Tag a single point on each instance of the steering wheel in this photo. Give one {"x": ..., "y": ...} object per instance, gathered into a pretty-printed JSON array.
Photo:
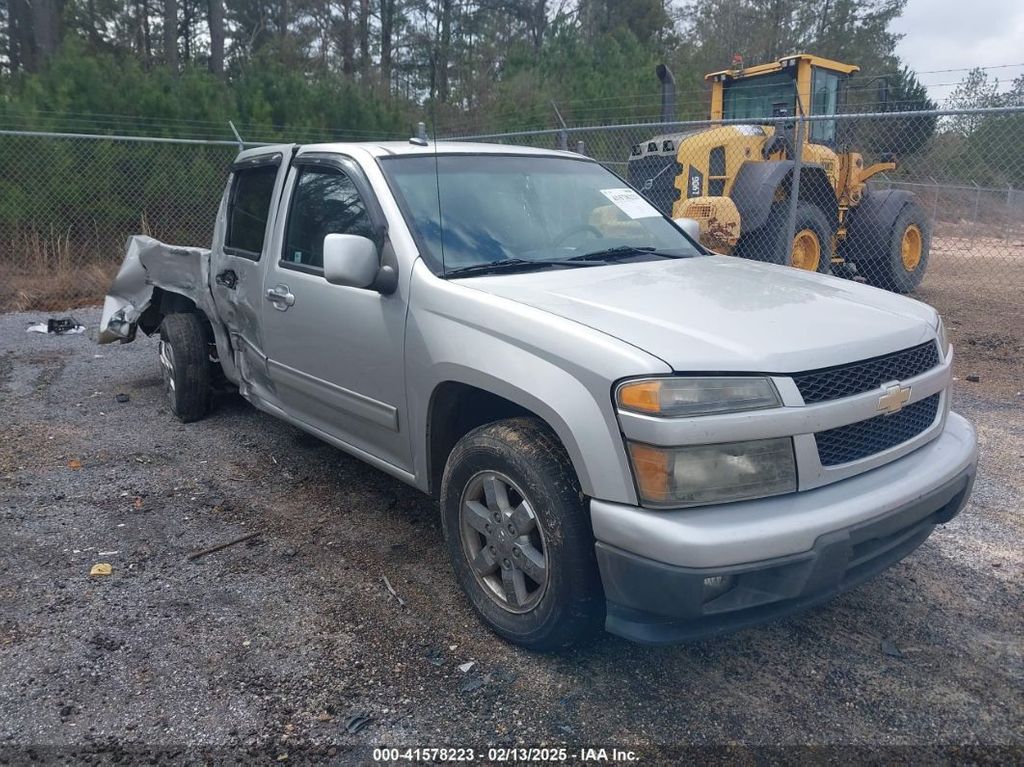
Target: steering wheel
[{"x": 578, "y": 229}]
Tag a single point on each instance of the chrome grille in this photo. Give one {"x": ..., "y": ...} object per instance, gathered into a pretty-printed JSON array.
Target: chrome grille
[
  {"x": 858, "y": 377},
  {"x": 864, "y": 438}
]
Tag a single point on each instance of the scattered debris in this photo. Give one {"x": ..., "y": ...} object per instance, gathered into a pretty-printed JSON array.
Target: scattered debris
[
  {"x": 356, "y": 722},
  {"x": 435, "y": 658},
  {"x": 465, "y": 668},
  {"x": 196, "y": 554},
  {"x": 74, "y": 464},
  {"x": 974, "y": 378},
  {"x": 501, "y": 674},
  {"x": 394, "y": 593},
  {"x": 58, "y": 327},
  {"x": 890, "y": 649},
  {"x": 101, "y": 568},
  {"x": 471, "y": 683},
  {"x": 122, "y": 398},
  {"x": 323, "y": 716}
]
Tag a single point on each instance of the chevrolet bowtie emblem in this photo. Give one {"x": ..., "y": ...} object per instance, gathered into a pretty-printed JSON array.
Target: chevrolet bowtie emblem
[{"x": 894, "y": 399}]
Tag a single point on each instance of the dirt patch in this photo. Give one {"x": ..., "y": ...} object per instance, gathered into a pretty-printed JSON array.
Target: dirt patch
[{"x": 976, "y": 284}]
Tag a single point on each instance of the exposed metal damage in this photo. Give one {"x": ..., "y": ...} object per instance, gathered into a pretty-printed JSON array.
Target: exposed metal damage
[{"x": 150, "y": 264}]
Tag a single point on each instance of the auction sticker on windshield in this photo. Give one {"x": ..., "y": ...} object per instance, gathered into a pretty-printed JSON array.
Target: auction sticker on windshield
[{"x": 630, "y": 203}]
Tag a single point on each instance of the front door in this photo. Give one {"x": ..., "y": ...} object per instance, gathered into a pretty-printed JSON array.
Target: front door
[{"x": 335, "y": 354}]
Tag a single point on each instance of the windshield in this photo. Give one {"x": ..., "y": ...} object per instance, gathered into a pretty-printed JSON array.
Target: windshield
[
  {"x": 510, "y": 209},
  {"x": 760, "y": 97}
]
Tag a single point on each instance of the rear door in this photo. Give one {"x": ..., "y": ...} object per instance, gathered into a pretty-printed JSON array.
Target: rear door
[
  {"x": 335, "y": 353},
  {"x": 244, "y": 224}
]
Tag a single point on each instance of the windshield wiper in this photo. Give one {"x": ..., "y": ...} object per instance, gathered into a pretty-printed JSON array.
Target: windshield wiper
[
  {"x": 624, "y": 251},
  {"x": 511, "y": 265}
]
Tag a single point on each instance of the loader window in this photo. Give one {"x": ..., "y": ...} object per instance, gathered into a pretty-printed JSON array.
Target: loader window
[
  {"x": 824, "y": 101},
  {"x": 759, "y": 98},
  {"x": 248, "y": 211}
]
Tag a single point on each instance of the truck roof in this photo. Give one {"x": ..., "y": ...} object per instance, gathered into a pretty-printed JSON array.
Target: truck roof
[{"x": 408, "y": 148}]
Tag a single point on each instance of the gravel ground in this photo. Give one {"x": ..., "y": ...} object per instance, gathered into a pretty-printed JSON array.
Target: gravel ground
[{"x": 276, "y": 644}]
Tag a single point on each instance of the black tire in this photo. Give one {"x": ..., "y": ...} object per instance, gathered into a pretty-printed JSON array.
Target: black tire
[
  {"x": 888, "y": 270},
  {"x": 185, "y": 365},
  {"x": 569, "y": 608},
  {"x": 772, "y": 244}
]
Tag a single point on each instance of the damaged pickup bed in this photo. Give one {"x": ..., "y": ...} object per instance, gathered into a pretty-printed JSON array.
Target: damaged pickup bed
[{"x": 621, "y": 429}]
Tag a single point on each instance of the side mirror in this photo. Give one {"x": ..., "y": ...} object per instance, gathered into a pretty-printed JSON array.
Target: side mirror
[
  {"x": 689, "y": 225},
  {"x": 350, "y": 260}
]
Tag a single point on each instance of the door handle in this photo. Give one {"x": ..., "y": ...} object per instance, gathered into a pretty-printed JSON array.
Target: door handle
[{"x": 280, "y": 297}]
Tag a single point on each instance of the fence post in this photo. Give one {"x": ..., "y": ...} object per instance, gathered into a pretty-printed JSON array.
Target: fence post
[
  {"x": 563, "y": 134},
  {"x": 794, "y": 187}
]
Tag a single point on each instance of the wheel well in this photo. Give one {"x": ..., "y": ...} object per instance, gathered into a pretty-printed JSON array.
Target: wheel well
[
  {"x": 455, "y": 410},
  {"x": 162, "y": 303},
  {"x": 816, "y": 190}
]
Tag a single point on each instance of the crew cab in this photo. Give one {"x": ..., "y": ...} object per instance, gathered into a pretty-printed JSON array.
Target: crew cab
[{"x": 621, "y": 428}]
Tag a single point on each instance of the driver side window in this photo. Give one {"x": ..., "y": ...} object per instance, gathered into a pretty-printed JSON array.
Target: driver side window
[{"x": 325, "y": 201}]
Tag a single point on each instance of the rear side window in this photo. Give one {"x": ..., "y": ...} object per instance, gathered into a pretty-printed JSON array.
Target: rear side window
[
  {"x": 250, "y": 208},
  {"x": 325, "y": 202}
]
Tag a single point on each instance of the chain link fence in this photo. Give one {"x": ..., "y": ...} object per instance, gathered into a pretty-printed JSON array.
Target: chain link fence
[
  {"x": 927, "y": 203},
  {"x": 68, "y": 203}
]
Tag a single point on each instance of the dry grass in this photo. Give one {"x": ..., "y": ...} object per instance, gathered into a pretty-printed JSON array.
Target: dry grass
[
  {"x": 49, "y": 271},
  {"x": 55, "y": 290}
]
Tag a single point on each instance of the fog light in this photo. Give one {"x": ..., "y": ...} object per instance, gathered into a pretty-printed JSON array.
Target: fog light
[{"x": 716, "y": 585}]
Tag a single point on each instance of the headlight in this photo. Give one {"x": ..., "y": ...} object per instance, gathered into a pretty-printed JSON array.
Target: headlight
[
  {"x": 940, "y": 329},
  {"x": 672, "y": 396},
  {"x": 687, "y": 476}
]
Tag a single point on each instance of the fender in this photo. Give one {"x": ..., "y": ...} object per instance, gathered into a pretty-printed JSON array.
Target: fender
[
  {"x": 153, "y": 269},
  {"x": 871, "y": 222},
  {"x": 528, "y": 357},
  {"x": 756, "y": 183}
]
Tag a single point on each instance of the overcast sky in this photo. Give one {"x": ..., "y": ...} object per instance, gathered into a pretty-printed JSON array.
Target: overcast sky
[{"x": 960, "y": 34}]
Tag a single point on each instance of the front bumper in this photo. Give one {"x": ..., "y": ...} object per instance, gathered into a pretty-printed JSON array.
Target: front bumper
[{"x": 784, "y": 553}]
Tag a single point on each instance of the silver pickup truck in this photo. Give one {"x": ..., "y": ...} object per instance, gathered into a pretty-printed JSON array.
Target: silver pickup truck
[{"x": 622, "y": 429}]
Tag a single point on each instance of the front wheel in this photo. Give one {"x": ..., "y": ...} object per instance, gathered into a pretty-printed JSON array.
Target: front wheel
[
  {"x": 810, "y": 247},
  {"x": 518, "y": 534}
]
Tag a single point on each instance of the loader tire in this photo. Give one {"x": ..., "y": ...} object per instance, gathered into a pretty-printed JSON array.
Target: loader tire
[
  {"x": 809, "y": 249},
  {"x": 901, "y": 266},
  {"x": 185, "y": 365}
]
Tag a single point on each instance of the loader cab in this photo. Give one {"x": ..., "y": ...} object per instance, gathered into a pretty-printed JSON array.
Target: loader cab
[{"x": 801, "y": 84}]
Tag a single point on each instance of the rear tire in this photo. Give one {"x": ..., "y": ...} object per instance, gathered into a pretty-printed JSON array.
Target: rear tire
[
  {"x": 518, "y": 533},
  {"x": 901, "y": 266},
  {"x": 185, "y": 365}
]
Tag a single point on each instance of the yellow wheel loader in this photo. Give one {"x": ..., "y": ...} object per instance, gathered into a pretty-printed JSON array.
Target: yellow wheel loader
[{"x": 737, "y": 179}]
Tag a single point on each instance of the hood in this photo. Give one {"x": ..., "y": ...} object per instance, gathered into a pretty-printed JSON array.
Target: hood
[{"x": 718, "y": 313}]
